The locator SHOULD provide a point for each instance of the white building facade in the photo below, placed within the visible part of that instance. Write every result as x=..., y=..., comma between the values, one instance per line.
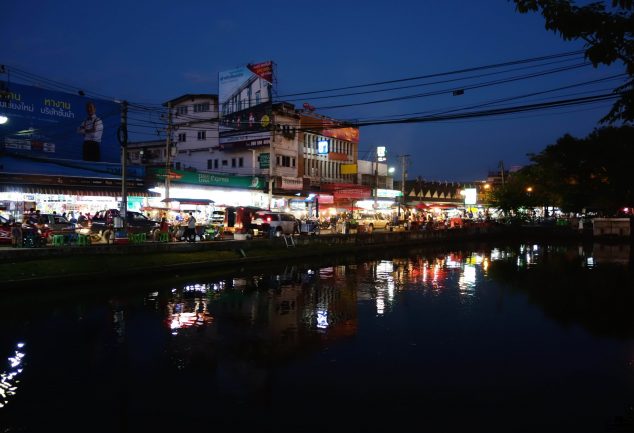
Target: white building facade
x=194, y=131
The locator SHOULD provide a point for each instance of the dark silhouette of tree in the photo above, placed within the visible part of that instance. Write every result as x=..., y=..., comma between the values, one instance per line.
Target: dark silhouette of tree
x=592, y=173
x=608, y=35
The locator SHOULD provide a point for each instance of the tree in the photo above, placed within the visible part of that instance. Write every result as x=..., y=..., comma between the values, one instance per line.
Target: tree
x=608, y=34
x=519, y=194
x=592, y=173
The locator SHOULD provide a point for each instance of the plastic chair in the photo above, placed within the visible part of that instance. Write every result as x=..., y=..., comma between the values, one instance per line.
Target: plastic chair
x=83, y=240
x=58, y=240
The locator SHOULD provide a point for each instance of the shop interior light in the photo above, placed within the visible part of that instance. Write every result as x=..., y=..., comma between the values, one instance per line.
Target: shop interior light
x=3, y=119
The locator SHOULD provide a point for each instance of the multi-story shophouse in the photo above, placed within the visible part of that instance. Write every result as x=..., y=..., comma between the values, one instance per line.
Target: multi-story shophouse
x=267, y=150
x=193, y=131
x=194, y=127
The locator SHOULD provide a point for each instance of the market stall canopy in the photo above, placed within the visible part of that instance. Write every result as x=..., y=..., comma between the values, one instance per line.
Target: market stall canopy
x=194, y=201
x=70, y=190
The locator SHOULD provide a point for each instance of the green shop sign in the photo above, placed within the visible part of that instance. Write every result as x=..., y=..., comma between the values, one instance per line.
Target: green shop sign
x=227, y=181
x=265, y=160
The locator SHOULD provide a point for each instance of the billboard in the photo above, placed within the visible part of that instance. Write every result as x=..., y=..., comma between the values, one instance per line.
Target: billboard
x=245, y=95
x=331, y=128
x=46, y=124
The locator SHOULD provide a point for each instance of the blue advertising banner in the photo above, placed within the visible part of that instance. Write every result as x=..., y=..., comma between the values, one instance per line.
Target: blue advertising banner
x=47, y=124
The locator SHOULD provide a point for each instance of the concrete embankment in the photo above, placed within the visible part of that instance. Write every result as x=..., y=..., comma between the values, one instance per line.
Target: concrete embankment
x=30, y=267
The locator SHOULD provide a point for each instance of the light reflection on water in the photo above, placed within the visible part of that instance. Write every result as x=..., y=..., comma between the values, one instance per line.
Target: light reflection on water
x=9, y=379
x=411, y=324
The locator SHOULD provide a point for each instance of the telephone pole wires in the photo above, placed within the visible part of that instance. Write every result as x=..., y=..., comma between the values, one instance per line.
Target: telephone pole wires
x=404, y=163
x=168, y=154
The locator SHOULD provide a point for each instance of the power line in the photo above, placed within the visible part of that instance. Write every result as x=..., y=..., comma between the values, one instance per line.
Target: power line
x=440, y=74
x=500, y=111
x=526, y=95
x=433, y=82
x=462, y=88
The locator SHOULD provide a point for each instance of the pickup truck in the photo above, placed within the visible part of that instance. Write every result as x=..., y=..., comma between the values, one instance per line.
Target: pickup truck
x=372, y=222
x=102, y=225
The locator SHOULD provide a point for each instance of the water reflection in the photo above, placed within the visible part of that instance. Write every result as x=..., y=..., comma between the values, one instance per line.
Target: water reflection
x=9, y=378
x=411, y=337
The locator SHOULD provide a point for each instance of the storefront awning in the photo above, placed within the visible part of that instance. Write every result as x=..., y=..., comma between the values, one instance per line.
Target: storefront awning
x=62, y=190
x=196, y=201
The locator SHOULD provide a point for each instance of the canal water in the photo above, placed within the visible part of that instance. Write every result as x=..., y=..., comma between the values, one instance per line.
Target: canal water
x=520, y=338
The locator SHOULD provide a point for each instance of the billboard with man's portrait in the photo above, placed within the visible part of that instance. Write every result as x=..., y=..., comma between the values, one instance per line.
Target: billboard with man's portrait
x=49, y=125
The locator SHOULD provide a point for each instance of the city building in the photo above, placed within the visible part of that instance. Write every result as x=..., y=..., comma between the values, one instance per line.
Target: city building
x=194, y=131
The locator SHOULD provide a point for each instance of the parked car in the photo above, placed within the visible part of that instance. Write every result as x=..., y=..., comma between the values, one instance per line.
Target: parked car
x=102, y=226
x=5, y=230
x=31, y=235
x=372, y=222
x=52, y=224
x=279, y=222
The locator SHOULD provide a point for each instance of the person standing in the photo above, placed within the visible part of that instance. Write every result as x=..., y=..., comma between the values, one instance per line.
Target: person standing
x=92, y=129
x=191, y=229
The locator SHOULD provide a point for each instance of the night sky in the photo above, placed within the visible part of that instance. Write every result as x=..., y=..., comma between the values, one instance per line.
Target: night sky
x=151, y=51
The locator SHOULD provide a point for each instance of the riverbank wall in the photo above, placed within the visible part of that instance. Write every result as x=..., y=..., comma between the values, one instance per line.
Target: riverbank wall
x=59, y=265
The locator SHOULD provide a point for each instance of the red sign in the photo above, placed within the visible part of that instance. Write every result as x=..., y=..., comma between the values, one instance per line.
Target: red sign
x=345, y=134
x=325, y=199
x=352, y=193
x=263, y=70
x=347, y=190
x=335, y=156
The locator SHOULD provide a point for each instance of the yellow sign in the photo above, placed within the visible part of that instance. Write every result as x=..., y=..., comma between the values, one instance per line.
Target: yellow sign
x=265, y=120
x=349, y=169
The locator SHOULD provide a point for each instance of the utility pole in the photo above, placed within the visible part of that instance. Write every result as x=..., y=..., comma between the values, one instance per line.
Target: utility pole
x=376, y=180
x=502, y=171
x=168, y=152
x=271, y=162
x=123, y=141
x=404, y=163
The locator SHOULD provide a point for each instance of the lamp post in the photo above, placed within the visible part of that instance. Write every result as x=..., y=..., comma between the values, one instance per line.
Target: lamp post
x=379, y=156
x=529, y=191
x=376, y=184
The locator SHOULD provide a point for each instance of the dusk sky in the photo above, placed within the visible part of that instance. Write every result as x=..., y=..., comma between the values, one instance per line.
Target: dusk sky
x=151, y=51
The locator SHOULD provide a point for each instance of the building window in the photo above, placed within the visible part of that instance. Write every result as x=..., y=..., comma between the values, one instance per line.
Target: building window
x=182, y=137
x=241, y=162
x=258, y=97
x=233, y=162
x=202, y=135
x=285, y=161
x=210, y=163
x=293, y=162
x=181, y=110
x=225, y=162
x=199, y=108
x=215, y=163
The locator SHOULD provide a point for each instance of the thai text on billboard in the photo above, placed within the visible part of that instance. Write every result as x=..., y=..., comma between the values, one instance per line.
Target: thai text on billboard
x=47, y=124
